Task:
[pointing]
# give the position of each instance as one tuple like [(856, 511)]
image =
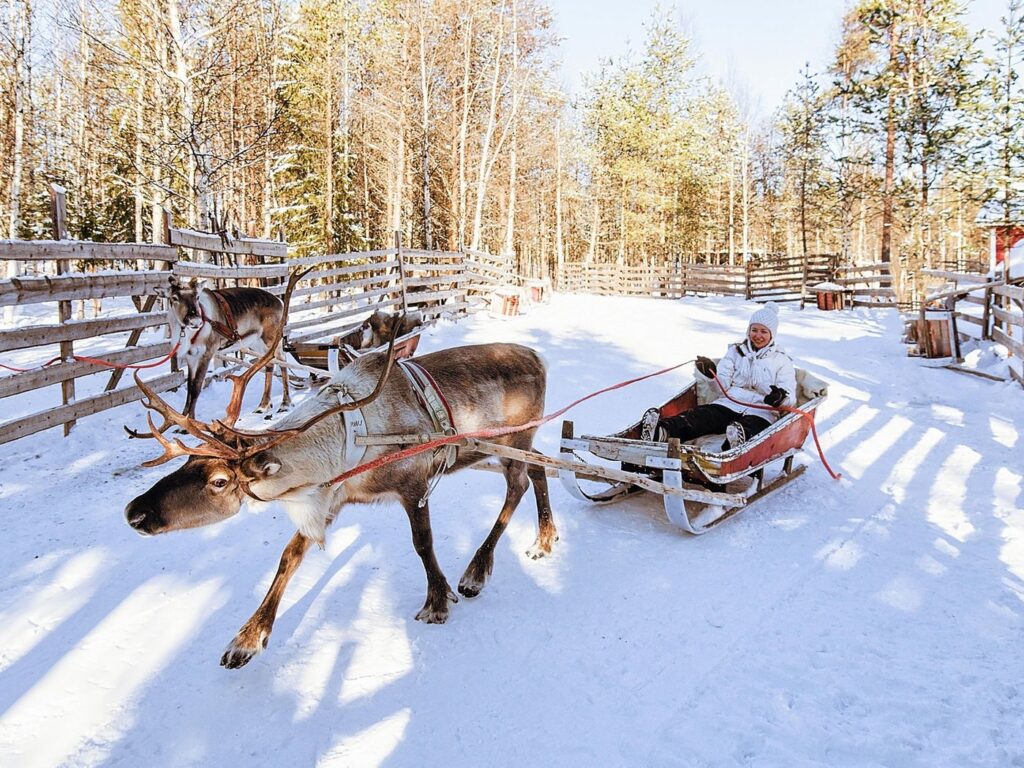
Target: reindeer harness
[(228, 329)]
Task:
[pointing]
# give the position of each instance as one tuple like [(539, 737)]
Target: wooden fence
[(982, 308), (341, 291), (778, 278)]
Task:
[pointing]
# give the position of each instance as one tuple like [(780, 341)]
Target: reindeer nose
[(139, 516)]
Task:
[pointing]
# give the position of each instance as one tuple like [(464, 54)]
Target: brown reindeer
[(489, 385), (208, 321)]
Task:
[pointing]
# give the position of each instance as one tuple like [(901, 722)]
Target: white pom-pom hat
[(768, 316)]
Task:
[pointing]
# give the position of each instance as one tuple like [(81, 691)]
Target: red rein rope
[(787, 409), (97, 361), (405, 453)]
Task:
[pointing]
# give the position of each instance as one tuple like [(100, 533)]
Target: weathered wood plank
[(46, 250), (970, 319), (1018, 377), (38, 335), (54, 417), (32, 290), (242, 246), (31, 380), (959, 277), (1016, 348), (214, 272), (1010, 291), (1011, 318)]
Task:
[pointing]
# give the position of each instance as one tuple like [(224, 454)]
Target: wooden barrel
[(830, 299), (935, 333)]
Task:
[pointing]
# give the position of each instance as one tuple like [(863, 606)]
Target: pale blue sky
[(756, 46)]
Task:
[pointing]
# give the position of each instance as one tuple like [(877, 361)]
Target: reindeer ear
[(172, 280)]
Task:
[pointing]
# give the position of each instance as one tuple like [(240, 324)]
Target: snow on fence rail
[(335, 298)]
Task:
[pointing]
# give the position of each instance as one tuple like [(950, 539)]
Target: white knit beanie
[(768, 316)]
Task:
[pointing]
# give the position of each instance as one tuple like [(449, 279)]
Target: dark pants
[(711, 419)]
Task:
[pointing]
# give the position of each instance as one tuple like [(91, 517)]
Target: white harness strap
[(437, 408), (354, 425)]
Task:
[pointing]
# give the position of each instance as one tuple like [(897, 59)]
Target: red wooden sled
[(702, 485)]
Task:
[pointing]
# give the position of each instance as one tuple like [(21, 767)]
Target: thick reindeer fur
[(490, 385)]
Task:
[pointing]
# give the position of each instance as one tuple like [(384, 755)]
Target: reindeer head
[(183, 302)]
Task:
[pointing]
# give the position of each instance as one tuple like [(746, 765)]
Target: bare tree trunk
[(329, 170), (510, 213), (140, 181), (890, 155), (428, 233), (22, 36), (595, 226), (463, 129), (559, 247), (732, 214), (746, 197), (492, 117)]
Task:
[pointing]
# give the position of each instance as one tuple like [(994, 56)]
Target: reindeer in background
[(210, 321), (484, 386)]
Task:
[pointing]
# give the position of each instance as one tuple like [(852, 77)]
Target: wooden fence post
[(748, 270), (59, 217), (401, 269)]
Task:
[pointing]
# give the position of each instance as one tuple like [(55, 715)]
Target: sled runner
[(701, 484)]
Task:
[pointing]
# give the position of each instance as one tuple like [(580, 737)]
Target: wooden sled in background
[(702, 486), (334, 355)]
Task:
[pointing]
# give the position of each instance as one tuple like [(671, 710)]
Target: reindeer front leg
[(439, 594), (254, 634), (197, 368)]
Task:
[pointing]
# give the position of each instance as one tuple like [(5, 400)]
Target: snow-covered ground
[(873, 621)]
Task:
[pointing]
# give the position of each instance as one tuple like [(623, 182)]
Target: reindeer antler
[(214, 438), (239, 383), (210, 443), (282, 435)]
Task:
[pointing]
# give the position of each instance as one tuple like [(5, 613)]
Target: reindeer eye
[(219, 482)]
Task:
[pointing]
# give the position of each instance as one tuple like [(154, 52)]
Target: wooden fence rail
[(776, 278), (335, 298)]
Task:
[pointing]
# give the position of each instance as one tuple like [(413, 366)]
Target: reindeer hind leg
[(547, 534)]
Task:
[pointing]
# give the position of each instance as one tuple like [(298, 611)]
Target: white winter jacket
[(749, 374)]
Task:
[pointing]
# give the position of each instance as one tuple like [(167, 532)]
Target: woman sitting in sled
[(754, 370)]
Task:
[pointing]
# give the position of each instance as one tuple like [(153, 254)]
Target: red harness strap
[(229, 330)]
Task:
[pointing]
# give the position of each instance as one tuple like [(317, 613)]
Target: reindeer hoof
[(238, 654), (540, 549), (430, 616), (436, 611), (471, 587)]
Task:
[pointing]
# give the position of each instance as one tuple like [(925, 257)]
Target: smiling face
[(759, 335)]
